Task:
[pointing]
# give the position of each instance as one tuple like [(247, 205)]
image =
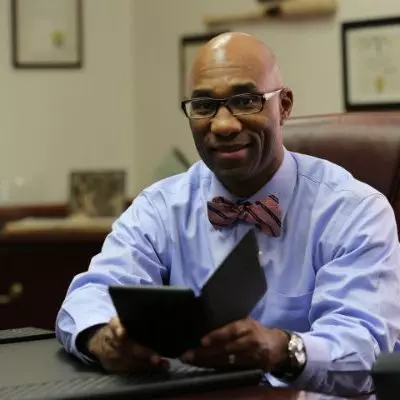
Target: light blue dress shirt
[(333, 274)]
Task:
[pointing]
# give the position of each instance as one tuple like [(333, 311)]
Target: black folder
[(171, 320)]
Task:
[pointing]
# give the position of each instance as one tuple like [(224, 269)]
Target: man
[(328, 242)]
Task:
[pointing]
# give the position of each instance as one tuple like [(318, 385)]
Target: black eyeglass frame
[(224, 102)]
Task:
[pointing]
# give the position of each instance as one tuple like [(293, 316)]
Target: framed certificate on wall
[(46, 33), (371, 64)]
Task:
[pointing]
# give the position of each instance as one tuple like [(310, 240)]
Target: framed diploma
[(46, 33), (371, 64), (189, 46)]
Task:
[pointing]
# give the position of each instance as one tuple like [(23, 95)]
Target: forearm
[(354, 312), (135, 252)]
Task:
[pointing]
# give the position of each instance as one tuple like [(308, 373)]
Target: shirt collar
[(281, 185)]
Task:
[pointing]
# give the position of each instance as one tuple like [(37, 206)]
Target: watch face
[(297, 351)]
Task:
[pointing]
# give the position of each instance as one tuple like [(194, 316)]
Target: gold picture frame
[(97, 193)]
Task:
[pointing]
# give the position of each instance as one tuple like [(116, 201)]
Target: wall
[(53, 121), (122, 109), (309, 55)]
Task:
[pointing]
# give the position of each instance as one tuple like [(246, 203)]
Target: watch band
[(296, 359)]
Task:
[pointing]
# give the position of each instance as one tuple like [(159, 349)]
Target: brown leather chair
[(366, 144)]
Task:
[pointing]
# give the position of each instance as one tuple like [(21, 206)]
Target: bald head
[(237, 109), (237, 51)]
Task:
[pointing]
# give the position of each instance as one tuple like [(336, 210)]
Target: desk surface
[(43, 360), (262, 393)]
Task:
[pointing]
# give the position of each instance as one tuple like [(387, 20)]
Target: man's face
[(237, 148)]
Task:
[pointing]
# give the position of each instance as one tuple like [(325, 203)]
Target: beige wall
[(299, 47), (122, 109), (52, 121)]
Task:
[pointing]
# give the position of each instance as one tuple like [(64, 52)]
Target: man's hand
[(117, 353), (241, 344)]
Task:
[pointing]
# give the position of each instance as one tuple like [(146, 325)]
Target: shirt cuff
[(318, 359), (73, 348), (78, 313)]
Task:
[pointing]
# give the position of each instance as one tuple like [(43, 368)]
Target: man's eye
[(244, 102), (203, 105)]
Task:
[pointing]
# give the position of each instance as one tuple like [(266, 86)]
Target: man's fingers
[(204, 357), (140, 352), (132, 357), (226, 334), (117, 328), (217, 358), (242, 344), (119, 336), (117, 353)]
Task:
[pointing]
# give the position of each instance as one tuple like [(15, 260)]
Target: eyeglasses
[(239, 104)]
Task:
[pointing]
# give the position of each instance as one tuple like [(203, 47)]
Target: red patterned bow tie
[(264, 214)]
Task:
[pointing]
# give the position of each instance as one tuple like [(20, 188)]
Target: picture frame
[(46, 34), (97, 193), (371, 64), (189, 46)]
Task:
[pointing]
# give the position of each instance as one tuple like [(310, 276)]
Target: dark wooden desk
[(250, 393), (19, 365), (36, 270), (263, 393), (42, 264)]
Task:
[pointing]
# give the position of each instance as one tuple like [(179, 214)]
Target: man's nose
[(224, 123)]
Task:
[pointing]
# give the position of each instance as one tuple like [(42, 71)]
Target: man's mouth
[(230, 148), (231, 152)]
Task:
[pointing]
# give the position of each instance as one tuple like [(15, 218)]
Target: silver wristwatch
[(296, 360), (297, 350)]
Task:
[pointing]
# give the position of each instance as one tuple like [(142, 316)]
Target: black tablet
[(171, 320), (162, 318)]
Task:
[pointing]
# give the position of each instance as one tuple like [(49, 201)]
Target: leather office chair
[(366, 144)]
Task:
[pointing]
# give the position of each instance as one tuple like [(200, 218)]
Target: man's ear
[(286, 104)]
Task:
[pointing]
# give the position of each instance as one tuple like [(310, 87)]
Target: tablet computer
[(165, 319), (171, 320), (385, 373)]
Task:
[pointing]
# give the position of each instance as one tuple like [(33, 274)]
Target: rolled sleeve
[(135, 252), (78, 314), (355, 310)]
